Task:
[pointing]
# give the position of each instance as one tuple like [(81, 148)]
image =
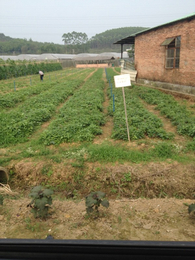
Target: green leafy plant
[(41, 201), (179, 114), (191, 208), (127, 177), (80, 123), (142, 122), (94, 200)]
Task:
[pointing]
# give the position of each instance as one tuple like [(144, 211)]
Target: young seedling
[(94, 200), (41, 201)]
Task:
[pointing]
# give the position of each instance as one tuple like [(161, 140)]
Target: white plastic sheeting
[(76, 57)]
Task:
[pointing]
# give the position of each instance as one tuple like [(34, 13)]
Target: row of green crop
[(18, 124), (179, 115), (10, 99), (141, 122), (11, 85), (81, 116), (18, 70)]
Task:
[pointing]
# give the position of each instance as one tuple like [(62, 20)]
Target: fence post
[(113, 103)]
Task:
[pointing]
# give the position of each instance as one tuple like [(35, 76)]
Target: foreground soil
[(125, 219), (148, 201)]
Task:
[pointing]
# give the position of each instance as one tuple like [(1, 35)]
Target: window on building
[(172, 52)]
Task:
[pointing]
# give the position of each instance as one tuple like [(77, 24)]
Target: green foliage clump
[(81, 116), (17, 69), (94, 200), (141, 122), (179, 115), (41, 201), (191, 208), (18, 124)]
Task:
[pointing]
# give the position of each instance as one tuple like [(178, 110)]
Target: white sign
[(122, 80)]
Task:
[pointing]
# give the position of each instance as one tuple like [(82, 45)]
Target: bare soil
[(125, 219)]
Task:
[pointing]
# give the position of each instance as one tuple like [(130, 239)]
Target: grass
[(118, 153), (113, 153), (105, 153)]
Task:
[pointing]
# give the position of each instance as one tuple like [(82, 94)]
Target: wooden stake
[(126, 113)]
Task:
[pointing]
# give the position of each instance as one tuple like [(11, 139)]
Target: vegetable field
[(81, 116), (68, 133)]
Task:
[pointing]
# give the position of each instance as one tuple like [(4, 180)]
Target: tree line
[(72, 43)]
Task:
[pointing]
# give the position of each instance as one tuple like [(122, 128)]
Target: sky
[(48, 20)]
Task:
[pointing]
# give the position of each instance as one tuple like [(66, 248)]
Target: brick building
[(166, 53)]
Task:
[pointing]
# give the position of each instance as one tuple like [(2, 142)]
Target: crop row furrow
[(81, 116), (21, 83), (141, 122), (10, 100), (18, 124), (178, 114)]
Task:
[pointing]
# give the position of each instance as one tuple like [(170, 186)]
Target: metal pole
[(121, 51), (126, 113), (113, 103)]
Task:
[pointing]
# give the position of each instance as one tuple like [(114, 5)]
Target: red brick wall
[(150, 55)]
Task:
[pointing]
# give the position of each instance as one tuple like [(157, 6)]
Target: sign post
[(122, 81)]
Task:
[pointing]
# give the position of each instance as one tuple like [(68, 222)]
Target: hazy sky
[(48, 20)]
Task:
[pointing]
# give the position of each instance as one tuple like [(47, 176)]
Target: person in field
[(41, 74)]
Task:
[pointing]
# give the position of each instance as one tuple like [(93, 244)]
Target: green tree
[(131, 51), (74, 38)]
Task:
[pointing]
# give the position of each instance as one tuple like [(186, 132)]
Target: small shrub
[(94, 200), (41, 201)]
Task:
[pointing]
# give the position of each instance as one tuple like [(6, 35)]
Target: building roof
[(56, 56), (131, 39)]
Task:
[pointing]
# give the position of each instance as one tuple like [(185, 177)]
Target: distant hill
[(99, 43), (15, 46), (107, 38), (4, 38)]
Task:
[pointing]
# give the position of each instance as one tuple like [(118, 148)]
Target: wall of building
[(150, 55)]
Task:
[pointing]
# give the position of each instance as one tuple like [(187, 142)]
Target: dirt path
[(107, 128), (125, 219)]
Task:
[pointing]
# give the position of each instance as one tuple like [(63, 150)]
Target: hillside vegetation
[(98, 43)]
